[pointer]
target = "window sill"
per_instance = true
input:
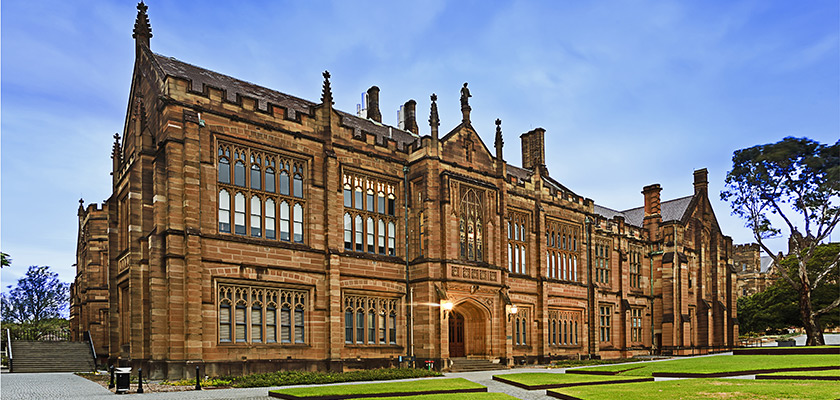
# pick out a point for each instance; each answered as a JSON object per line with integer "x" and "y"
{"x": 565, "y": 346}
{"x": 522, "y": 347}
{"x": 372, "y": 346}
{"x": 261, "y": 345}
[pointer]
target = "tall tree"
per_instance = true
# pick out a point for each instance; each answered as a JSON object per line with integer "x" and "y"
{"x": 5, "y": 260}
{"x": 38, "y": 296}
{"x": 797, "y": 179}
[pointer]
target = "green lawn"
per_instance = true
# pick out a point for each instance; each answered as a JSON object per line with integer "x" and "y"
{"x": 712, "y": 364}
{"x": 547, "y": 378}
{"x": 831, "y": 372}
{"x": 425, "y": 385}
{"x": 453, "y": 396}
{"x": 689, "y": 389}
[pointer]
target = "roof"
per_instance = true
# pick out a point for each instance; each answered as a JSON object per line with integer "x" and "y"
{"x": 233, "y": 88}
{"x": 671, "y": 210}
{"x": 766, "y": 262}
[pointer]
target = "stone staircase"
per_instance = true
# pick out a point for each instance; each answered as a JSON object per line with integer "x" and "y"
{"x": 32, "y": 356}
{"x": 463, "y": 364}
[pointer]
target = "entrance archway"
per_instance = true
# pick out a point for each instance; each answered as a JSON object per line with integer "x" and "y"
{"x": 468, "y": 330}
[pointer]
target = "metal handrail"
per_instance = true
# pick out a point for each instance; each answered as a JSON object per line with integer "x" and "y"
{"x": 9, "y": 343}
{"x": 92, "y": 348}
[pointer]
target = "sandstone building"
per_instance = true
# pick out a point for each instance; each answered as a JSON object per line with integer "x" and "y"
{"x": 754, "y": 273}
{"x": 251, "y": 230}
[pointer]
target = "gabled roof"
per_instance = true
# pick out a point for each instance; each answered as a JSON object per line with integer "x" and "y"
{"x": 232, "y": 87}
{"x": 671, "y": 210}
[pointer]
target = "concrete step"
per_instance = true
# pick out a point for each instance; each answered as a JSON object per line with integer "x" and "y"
{"x": 470, "y": 365}
{"x": 32, "y": 356}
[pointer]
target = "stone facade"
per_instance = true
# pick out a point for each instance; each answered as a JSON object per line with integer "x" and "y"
{"x": 754, "y": 273}
{"x": 250, "y": 230}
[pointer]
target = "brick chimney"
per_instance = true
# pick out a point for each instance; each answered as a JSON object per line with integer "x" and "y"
{"x": 533, "y": 149}
{"x": 409, "y": 109}
{"x": 373, "y": 104}
{"x": 653, "y": 217}
{"x": 701, "y": 181}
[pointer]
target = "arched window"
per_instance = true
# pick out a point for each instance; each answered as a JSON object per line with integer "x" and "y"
{"x": 470, "y": 221}
{"x": 256, "y": 322}
{"x": 371, "y": 326}
{"x": 284, "y": 221}
{"x": 269, "y": 180}
{"x": 359, "y": 234}
{"x": 270, "y": 221}
{"x": 256, "y": 217}
{"x": 256, "y": 178}
{"x": 348, "y": 325}
{"x": 239, "y": 173}
{"x": 239, "y": 214}
{"x": 298, "y": 182}
{"x": 358, "y": 198}
{"x": 224, "y": 169}
{"x": 298, "y": 223}
{"x": 348, "y": 235}
{"x": 225, "y": 333}
{"x": 241, "y": 326}
{"x": 391, "y": 204}
{"x": 381, "y": 202}
{"x": 285, "y": 323}
{"x": 369, "y": 200}
{"x": 224, "y": 211}
{"x": 383, "y": 326}
{"x": 381, "y": 236}
{"x": 284, "y": 183}
{"x": 360, "y": 326}
{"x": 392, "y": 250}
{"x": 271, "y": 323}
{"x": 510, "y": 255}
{"x": 299, "y": 338}
{"x": 370, "y": 235}
{"x": 348, "y": 196}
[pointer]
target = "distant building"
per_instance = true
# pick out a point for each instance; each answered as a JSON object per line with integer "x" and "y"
{"x": 754, "y": 273}
{"x": 250, "y": 230}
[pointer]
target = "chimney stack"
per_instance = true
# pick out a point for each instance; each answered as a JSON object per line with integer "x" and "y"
{"x": 651, "y": 193}
{"x": 410, "y": 114}
{"x": 373, "y": 104}
{"x": 533, "y": 149}
{"x": 701, "y": 181}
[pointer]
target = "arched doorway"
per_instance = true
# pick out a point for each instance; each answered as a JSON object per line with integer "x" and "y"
{"x": 468, "y": 330}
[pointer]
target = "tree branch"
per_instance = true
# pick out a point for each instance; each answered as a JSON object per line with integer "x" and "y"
{"x": 829, "y": 307}
{"x": 825, "y": 272}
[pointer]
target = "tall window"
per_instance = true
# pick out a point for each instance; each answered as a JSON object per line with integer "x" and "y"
{"x": 605, "y": 319}
{"x": 562, "y": 254}
{"x": 470, "y": 225}
{"x": 635, "y": 257}
{"x": 265, "y": 174}
{"x": 601, "y": 253}
{"x": 370, "y": 320}
{"x": 369, "y": 215}
{"x": 517, "y": 233}
{"x": 248, "y": 314}
{"x": 563, "y": 327}
{"x": 520, "y": 328}
{"x": 636, "y": 325}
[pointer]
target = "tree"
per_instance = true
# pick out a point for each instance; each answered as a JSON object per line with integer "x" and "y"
{"x": 777, "y": 307}
{"x": 5, "y": 260}
{"x": 38, "y": 296}
{"x": 797, "y": 179}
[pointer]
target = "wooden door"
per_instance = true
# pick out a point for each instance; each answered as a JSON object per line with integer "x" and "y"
{"x": 456, "y": 335}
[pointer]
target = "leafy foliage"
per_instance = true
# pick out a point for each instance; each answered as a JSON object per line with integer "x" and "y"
{"x": 284, "y": 378}
{"x": 795, "y": 179}
{"x": 38, "y": 296}
{"x": 5, "y": 260}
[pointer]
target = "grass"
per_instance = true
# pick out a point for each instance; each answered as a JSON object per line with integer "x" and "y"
{"x": 547, "y": 378}
{"x": 689, "y": 389}
{"x": 386, "y": 387}
{"x": 286, "y": 378}
{"x": 453, "y": 396}
{"x": 713, "y": 364}
{"x": 831, "y": 372}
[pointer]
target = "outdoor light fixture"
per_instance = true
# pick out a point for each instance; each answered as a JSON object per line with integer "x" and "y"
{"x": 511, "y": 310}
{"x": 446, "y": 306}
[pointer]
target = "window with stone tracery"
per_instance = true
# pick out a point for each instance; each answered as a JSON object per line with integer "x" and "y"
{"x": 601, "y": 260}
{"x": 562, "y": 254}
{"x": 370, "y": 223}
{"x": 563, "y": 327}
{"x": 517, "y": 235}
{"x": 370, "y": 320}
{"x": 520, "y": 327}
{"x": 471, "y": 227}
{"x": 635, "y": 259}
{"x": 259, "y": 314}
{"x": 250, "y": 203}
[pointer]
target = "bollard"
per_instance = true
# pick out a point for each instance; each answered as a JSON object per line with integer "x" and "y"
{"x": 111, "y": 383}
{"x": 197, "y": 379}
{"x": 140, "y": 380}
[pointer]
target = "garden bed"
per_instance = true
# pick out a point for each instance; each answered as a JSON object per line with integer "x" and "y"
{"x": 718, "y": 366}
{"x": 386, "y": 389}
{"x": 696, "y": 389}
{"x": 545, "y": 380}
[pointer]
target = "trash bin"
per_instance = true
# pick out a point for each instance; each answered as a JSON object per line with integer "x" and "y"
{"x": 430, "y": 365}
{"x": 123, "y": 379}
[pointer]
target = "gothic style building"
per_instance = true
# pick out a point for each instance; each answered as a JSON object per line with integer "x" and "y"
{"x": 251, "y": 230}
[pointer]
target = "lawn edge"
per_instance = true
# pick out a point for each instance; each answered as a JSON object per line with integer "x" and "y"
{"x": 736, "y": 373}
{"x": 565, "y": 385}
{"x": 796, "y": 378}
{"x": 584, "y": 371}
{"x": 371, "y": 395}
{"x": 770, "y": 351}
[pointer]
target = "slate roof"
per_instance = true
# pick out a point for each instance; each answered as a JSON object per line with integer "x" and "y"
{"x": 671, "y": 210}
{"x": 201, "y": 78}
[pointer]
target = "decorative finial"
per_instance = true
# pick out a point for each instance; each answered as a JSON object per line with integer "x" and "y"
{"x": 326, "y": 94}
{"x": 465, "y": 104}
{"x": 499, "y": 141}
{"x": 142, "y": 27}
{"x": 434, "y": 119}
{"x": 116, "y": 149}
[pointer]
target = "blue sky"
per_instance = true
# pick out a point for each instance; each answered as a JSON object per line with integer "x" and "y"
{"x": 630, "y": 92}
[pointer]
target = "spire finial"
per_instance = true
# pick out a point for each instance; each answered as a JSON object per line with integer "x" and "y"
{"x": 116, "y": 149}
{"x": 326, "y": 94}
{"x": 434, "y": 119}
{"x": 142, "y": 27}
{"x": 499, "y": 141}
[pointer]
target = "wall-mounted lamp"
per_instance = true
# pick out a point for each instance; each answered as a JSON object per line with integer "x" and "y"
{"x": 446, "y": 306}
{"x": 511, "y": 310}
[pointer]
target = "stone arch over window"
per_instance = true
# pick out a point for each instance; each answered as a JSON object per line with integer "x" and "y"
{"x": 471, "y": 226}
